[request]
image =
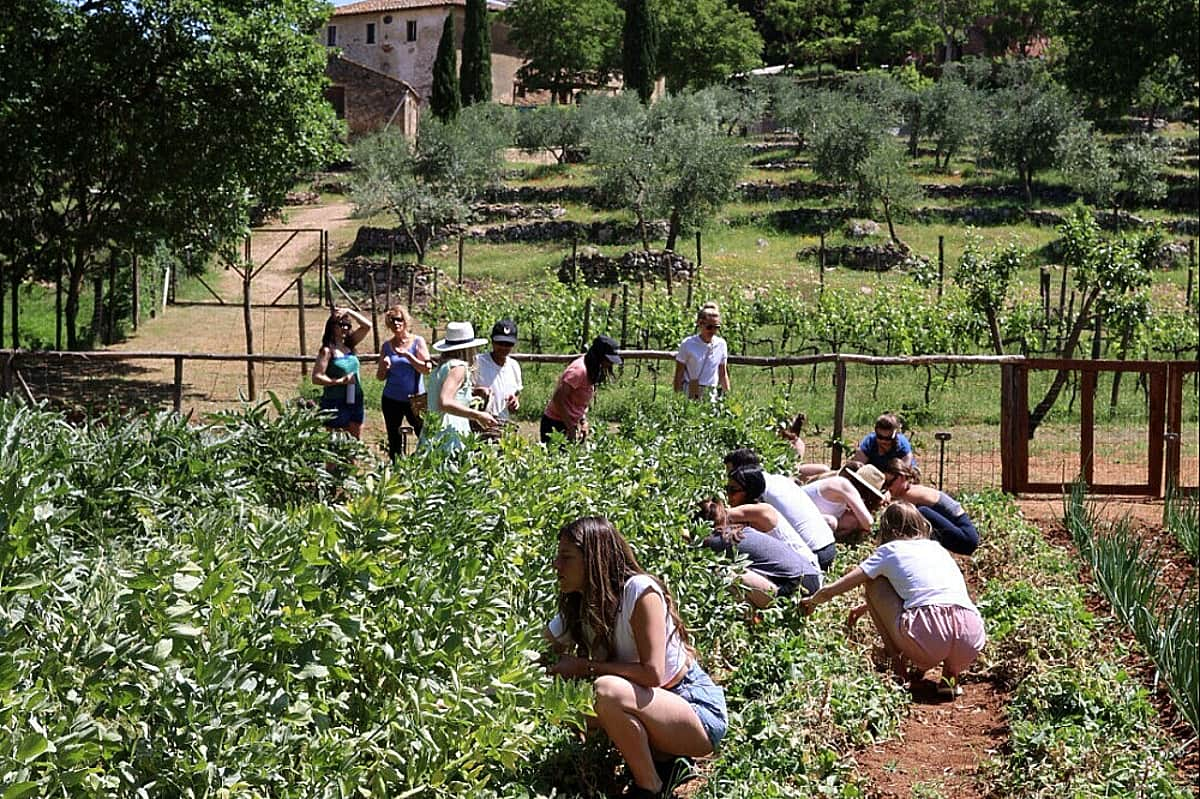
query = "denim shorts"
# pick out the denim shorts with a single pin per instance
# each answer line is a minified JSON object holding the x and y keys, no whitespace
{"x":707,"y":700}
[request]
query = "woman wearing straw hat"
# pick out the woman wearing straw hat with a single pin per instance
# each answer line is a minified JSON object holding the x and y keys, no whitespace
{"x":449,"y":388}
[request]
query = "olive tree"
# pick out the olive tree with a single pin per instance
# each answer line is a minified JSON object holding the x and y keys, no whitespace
{"x":671,"y":160}
{"x":432,"y":183}
{"x":986,"y":276}
{"x":556,"y":129}
{"x":950,"y":111}
{"x":1025,"y":122}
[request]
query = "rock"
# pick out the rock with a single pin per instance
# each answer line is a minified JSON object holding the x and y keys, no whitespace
{"x":862,"y":228}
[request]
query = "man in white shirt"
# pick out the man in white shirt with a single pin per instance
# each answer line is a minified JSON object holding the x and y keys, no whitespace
{"x":702,"y":362}
{"x":497,"y":373}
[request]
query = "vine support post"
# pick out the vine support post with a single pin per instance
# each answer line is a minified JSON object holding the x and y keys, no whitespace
{"x":391,"y":258}
{"x":625,"y":311}
{"x":137,"y":291}
{"x":699,"y":253}
{"x":177,"y":385}
{"x":460,"y":259}
{"x":302,"y":324}
{"x":1187,"y":298}
{"x":374,"y":310}
{"x":839,"y":411}
{"x":575,"y":256}
{"x":247,"y":277}
{"x":941,"y":265}
{"x":587,"y":322}
{"x":821,"y":262}
{"x":58,"y":305}
{"x":942,"y":437}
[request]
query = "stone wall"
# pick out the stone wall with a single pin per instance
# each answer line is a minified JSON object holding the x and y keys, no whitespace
{"x":371,"y":239}
{"x":595,"y":269}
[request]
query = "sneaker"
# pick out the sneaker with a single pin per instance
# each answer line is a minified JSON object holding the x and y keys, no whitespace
{"x":675,"y":773}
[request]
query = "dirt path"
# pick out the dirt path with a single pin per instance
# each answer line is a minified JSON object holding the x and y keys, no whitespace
{"x":215,"y":385}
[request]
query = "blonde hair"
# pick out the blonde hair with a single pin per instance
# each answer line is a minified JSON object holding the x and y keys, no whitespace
{"x":400,"y":311}
{"x":902,"y":520}
{"x":707,"y":311}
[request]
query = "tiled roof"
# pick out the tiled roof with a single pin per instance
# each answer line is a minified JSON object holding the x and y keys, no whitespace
{"x":381,"y":6}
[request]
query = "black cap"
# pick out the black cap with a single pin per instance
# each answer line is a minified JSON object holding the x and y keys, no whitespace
{"x":504,"y":332}
{"x":606,"y":346}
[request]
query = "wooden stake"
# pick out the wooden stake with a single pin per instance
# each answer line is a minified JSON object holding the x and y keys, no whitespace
{"x":303,"y":325}
{"x":941,"y":265}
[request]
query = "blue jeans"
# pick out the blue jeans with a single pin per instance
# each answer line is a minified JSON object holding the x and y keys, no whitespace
{"x":707,"y":700}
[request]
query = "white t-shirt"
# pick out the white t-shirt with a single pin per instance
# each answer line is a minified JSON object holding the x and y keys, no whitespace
{"x":922,"y":572}
{"x":784,"y":531}
{"x":623,"y":640}
{"x":701,"y":360}
{"x":504,"y":381}
{"x":797,"y":507}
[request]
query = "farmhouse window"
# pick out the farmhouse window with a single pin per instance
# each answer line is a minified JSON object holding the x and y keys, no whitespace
{"x":387,"y":19}
{"x":411,"y":30}
{"x":370,"y":33}
{"x":331,"y":36}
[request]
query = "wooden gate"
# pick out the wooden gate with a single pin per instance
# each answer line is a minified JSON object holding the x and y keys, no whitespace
{"x":1164,"y":434}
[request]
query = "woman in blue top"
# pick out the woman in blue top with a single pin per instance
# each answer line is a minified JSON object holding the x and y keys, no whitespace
{"x":402,"y":360}
{"x":337,"y":370}
{"x":885,"y":443}
{"x":450,"y":391}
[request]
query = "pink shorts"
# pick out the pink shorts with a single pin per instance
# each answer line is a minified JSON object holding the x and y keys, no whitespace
{"x":947,"y":634}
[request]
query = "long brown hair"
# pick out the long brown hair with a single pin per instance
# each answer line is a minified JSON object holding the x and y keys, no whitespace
{"x":714,"y":510}
{"x":608,"y":563}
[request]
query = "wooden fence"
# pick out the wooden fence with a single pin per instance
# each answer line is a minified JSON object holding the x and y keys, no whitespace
{"x":1164,"y":432}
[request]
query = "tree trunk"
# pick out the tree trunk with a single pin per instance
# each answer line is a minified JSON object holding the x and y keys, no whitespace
{"x":914,"y":135}
{"x":98,"y":309}
{"x":673,"y":229}
{"x":1126,"y":335}
{"x":641,"y":221}
{"x":1060,"y":379}
{"x":1027,"y":184}
{"x":994,"y":329}
{"x":74,"y":288}
{"x":887,"y":215}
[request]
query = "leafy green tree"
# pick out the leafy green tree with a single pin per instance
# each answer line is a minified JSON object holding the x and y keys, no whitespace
{"x":639,"y":53}
{"x":568,"y":45}
{"x":670,"y":161}
{"x":986,"y":278}
{"x":1140,"y":161}
{"x":430,"y":184}
{"x":1105,"y":270}
{"x":884,"y":177}
{"x":444,"y":99}
{"x":1026,"y":121}
{"x":1112,"y":45}
{"x":802,"y":109}
{"x":844,"y":135}
{"x":200,"y":116}
{"x":890,"y":31}
{"x":814,"y":31}
{"x":703,"y":42}
{"x":1020,"y":24}
{"x":738,"y":107}
{"x":951,"y":116}
{"x":475,"y":76}
{"x":557,"y":129}
{"x":1086,"y":163}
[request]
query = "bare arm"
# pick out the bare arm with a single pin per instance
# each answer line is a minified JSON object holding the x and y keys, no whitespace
{"x":360,"y":332}
{"x":759,"y":515}
{"x":650,"y":635}
{"x":320,"y":374}
{"x":845,"y":491}
{"x":680,"y":370}
{"x":420,"y":359}
{"x":384,"y":364}
{"x":451,"y":405}
{"x":723,"y":376}
{"x":847,"y":582}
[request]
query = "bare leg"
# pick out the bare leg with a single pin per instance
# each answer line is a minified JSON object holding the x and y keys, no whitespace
{"x":641,"y":720}
{"x":885,"y":607}
{"x":756,"y":589}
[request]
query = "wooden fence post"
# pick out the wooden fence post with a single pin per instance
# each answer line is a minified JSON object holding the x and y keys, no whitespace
{"x":58,"y":306}
{"x":177,"y":385}
{"x":839,"y":412}
{"x":374,"y":310}
{"x":625,"y":310}
{"x":248,"y":319}
{"x":587,"y":322}
{"x":821,"y":261}
{"x":303,"y":324}
{"x":460,"y":261}
{"x":137,"y":293}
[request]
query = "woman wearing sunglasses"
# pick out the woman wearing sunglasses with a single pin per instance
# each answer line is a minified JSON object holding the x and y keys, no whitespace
{"x":702,"y":363}
{"x":951,"y":526}
{"x":885,"y":443}
{"x":336,"y":370}
{"x":403,"y":360}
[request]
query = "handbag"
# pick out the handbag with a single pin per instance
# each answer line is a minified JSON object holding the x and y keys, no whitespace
{"x":419,"y":403}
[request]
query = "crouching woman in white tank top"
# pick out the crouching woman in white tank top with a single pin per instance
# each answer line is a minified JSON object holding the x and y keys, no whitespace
{"x":619,"y":626}
{"x":917,"y":598}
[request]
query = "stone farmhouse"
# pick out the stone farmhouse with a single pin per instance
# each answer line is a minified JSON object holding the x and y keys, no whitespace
{"x":397,"y":41}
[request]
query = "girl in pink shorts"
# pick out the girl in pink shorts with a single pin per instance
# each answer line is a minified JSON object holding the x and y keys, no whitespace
{"x":917,"y":598}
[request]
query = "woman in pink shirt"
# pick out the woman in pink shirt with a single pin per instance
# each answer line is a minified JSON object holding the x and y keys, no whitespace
{"x":567,"y":410}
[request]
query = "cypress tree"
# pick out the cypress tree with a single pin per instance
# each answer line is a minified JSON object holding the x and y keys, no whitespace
{"x":640,"y":48}
{"x":443,"y":101}
{"x":475,"y":80}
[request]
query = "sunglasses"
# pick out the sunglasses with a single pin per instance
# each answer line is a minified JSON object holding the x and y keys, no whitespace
{"x":712,"y":327}
{"x":733,"y":488}
{"x":884,"y":438}
{"x":394,"y":322}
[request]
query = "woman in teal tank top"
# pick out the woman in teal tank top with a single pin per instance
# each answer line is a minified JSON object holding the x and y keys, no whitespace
{"x":449,"y":387}
{"x":337,"y":370}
